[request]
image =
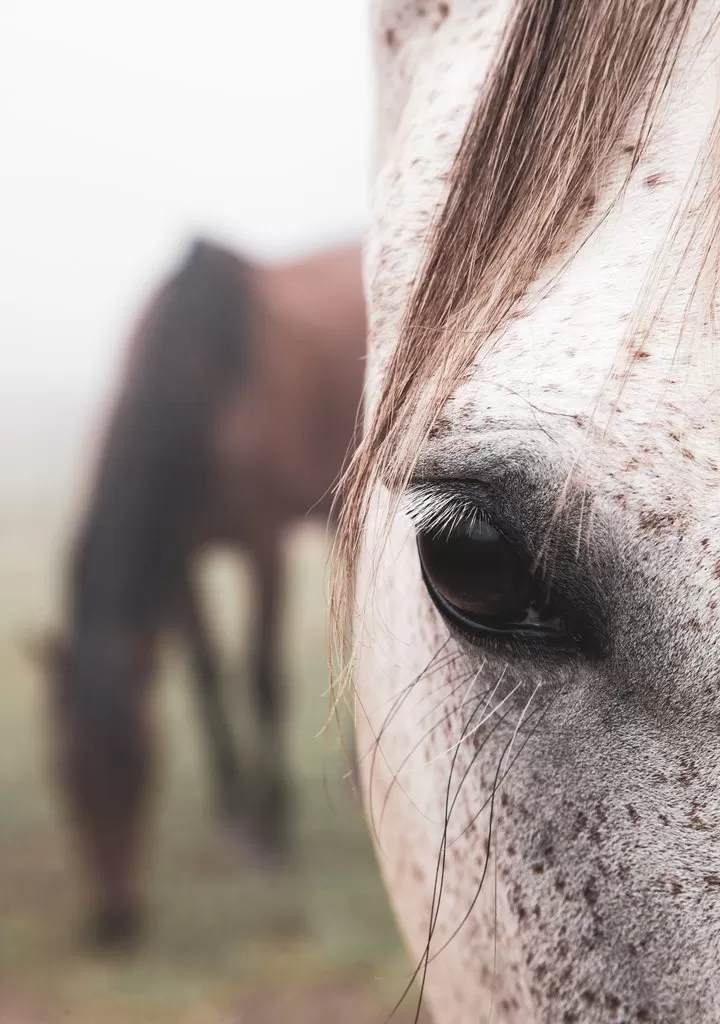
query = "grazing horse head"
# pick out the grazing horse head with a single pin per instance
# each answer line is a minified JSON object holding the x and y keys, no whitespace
{"x":98,"y":683}
{"x":533,"y":512}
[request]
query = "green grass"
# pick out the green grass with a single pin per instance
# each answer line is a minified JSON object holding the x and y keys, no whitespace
{"x":219,"y":928}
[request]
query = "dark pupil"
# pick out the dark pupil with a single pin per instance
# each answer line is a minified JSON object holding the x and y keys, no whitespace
{"x":477,"y":571}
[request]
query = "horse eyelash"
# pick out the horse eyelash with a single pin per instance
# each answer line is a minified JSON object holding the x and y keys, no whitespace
{"x":439,"y":511}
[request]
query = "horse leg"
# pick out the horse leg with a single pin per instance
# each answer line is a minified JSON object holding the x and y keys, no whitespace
{"x":270,"y":696}
{"x":223,"y":757}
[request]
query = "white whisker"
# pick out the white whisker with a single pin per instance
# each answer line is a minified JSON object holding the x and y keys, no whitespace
{"x":483,"y":721}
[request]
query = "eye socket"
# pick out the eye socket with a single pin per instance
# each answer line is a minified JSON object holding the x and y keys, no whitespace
{"x":483,"y":584}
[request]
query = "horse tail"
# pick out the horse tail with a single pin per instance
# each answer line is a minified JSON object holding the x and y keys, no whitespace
{"x":190,"y":347}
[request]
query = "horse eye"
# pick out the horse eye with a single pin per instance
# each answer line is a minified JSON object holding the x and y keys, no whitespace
{"x":482,"y":583}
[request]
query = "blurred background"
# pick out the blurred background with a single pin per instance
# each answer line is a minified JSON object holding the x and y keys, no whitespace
{"x":126,"y":129}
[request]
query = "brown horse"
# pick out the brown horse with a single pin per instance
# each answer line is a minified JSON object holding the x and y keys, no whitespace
{"x":236,"y":411}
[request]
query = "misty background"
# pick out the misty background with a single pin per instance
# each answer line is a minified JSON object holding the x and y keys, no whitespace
{"x":127,"y":128}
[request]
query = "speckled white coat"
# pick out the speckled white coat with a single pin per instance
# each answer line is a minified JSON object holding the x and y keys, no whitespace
{"x":600,"y":898}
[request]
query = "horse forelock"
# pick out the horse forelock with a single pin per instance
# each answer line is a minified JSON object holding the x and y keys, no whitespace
{"x":563,"y":118}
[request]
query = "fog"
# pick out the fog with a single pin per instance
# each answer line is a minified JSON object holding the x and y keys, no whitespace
{"x":128,"y":127}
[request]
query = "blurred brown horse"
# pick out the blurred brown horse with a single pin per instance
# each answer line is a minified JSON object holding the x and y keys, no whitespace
{"x":235,"y":415}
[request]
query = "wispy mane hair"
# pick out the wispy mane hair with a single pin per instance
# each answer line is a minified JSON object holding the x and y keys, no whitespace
{"x":572,"y":92}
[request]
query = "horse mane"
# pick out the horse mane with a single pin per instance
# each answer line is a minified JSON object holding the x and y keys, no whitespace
{"x":572,"y":93}
{"x":189,"y":346}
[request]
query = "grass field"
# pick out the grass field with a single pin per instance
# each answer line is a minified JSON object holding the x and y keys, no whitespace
{"x":227,"y":944}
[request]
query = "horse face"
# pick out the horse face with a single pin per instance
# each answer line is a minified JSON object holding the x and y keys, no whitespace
{"x":102,"y":766}
{"x":539,"y":706}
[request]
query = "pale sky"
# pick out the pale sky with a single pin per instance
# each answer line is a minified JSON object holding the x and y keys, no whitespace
{"x":128,"y":126}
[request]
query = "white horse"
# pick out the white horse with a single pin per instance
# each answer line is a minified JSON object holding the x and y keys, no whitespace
{"x":534,"y":511}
